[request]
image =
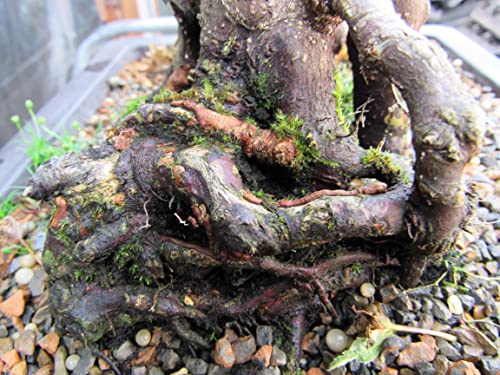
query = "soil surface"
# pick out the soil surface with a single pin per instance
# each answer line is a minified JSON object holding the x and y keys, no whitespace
{"x":459,"y":295}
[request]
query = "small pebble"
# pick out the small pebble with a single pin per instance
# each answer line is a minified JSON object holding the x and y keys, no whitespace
{"x":367,"y":290}
{"x":361,"y":301}
{"x":72,"y":362}
{"x":143,"y":337}
{"x":31,"y":327}
{"x":24,"y":275}
{"x":455,"y":305}
{"x":95,"y":371}
{"x":27,"y":261}
{"x":141,"y":370}
{"x":264,"y":335}
{"x":156,"y":371}
{"x":336,"y":340}
{"x":4,"y":332}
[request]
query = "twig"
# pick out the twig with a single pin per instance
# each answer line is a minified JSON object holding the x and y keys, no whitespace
{"x":105,"y":358}
{"x":183,"y":222}
{"x":435,"y":283}
{"x":423,"y":331}
{"x":146,"y":225}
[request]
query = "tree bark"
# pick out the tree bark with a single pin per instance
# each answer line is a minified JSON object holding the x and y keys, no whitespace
{"x":246,"y":178}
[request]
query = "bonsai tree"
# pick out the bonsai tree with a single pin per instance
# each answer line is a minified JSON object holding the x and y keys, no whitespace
{"x":242,"y":190}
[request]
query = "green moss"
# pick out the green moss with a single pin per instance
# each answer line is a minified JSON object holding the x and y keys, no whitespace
{"x":199,"y":140}
{"x":383,"y":163}
{"x":132,"y":105}
{"x":250,"y":120}
{"x":48,"y":258}
{"x":259,"y":194}
{"x":356,"y":268}
{"x":288,"y":125}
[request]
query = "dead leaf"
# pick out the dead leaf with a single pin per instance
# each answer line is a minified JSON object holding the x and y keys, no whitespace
{"x":423,"y":351}
{"x":474,"y":337}
{"x":10,"y":231}
{"x":145,"y":356}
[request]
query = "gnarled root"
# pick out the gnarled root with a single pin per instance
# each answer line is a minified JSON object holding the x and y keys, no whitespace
{"x":119,"y":237}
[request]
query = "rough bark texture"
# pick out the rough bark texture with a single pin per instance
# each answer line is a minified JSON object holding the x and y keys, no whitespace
{"x":247,"y":180}
{"x":446,"y":123}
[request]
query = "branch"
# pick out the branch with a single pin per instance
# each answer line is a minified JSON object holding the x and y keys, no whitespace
{"x":447,"y":123}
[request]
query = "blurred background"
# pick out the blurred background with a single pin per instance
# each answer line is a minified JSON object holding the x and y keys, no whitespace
{"x":38,"y":44}
{"x":39,"y":40}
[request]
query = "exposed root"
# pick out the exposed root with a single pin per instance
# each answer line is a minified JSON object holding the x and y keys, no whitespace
{"x":323,"y":295}
{"x":249,"y":197}
{"x":61,"y":212}
{"x":255,"y":142}
{"x":181,"y":327}
{"x":376,"y":188}
{"x":178,"y":80}
{"x":315,"y":272}
{"x":298,"y":329}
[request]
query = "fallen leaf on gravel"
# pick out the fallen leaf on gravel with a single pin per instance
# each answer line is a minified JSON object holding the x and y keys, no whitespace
{"x":423,"y":351}
{"x":10,"y":231}
{"x":155,"y":339}
{"x":14,"y":305}
{"x":474,"y":337}
{"x":50,"y":343}
{"x":463,"y":368}
{"x":145,"y":356}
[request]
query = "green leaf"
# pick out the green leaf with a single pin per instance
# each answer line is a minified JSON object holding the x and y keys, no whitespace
{"x":361,"y":350}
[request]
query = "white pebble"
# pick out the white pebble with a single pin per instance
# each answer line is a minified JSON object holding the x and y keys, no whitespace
{"x":143,"y":337}
{"x":30,"y":327}
{"x":336,"y":340}
{"x":72,"y":361}
{"x":367,"y":290}
{"x":27,"y":261}
{"x":23,"y":276}
{"x":455,"y":305}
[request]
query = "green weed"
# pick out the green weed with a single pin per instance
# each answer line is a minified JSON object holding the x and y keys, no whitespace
{"x":344,"y":105}
{"x":18,"y":249}
{"x":8,"y":205}
{"x":38,"y":139}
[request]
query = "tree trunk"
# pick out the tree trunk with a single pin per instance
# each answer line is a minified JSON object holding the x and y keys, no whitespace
{"x":245,"y":168}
